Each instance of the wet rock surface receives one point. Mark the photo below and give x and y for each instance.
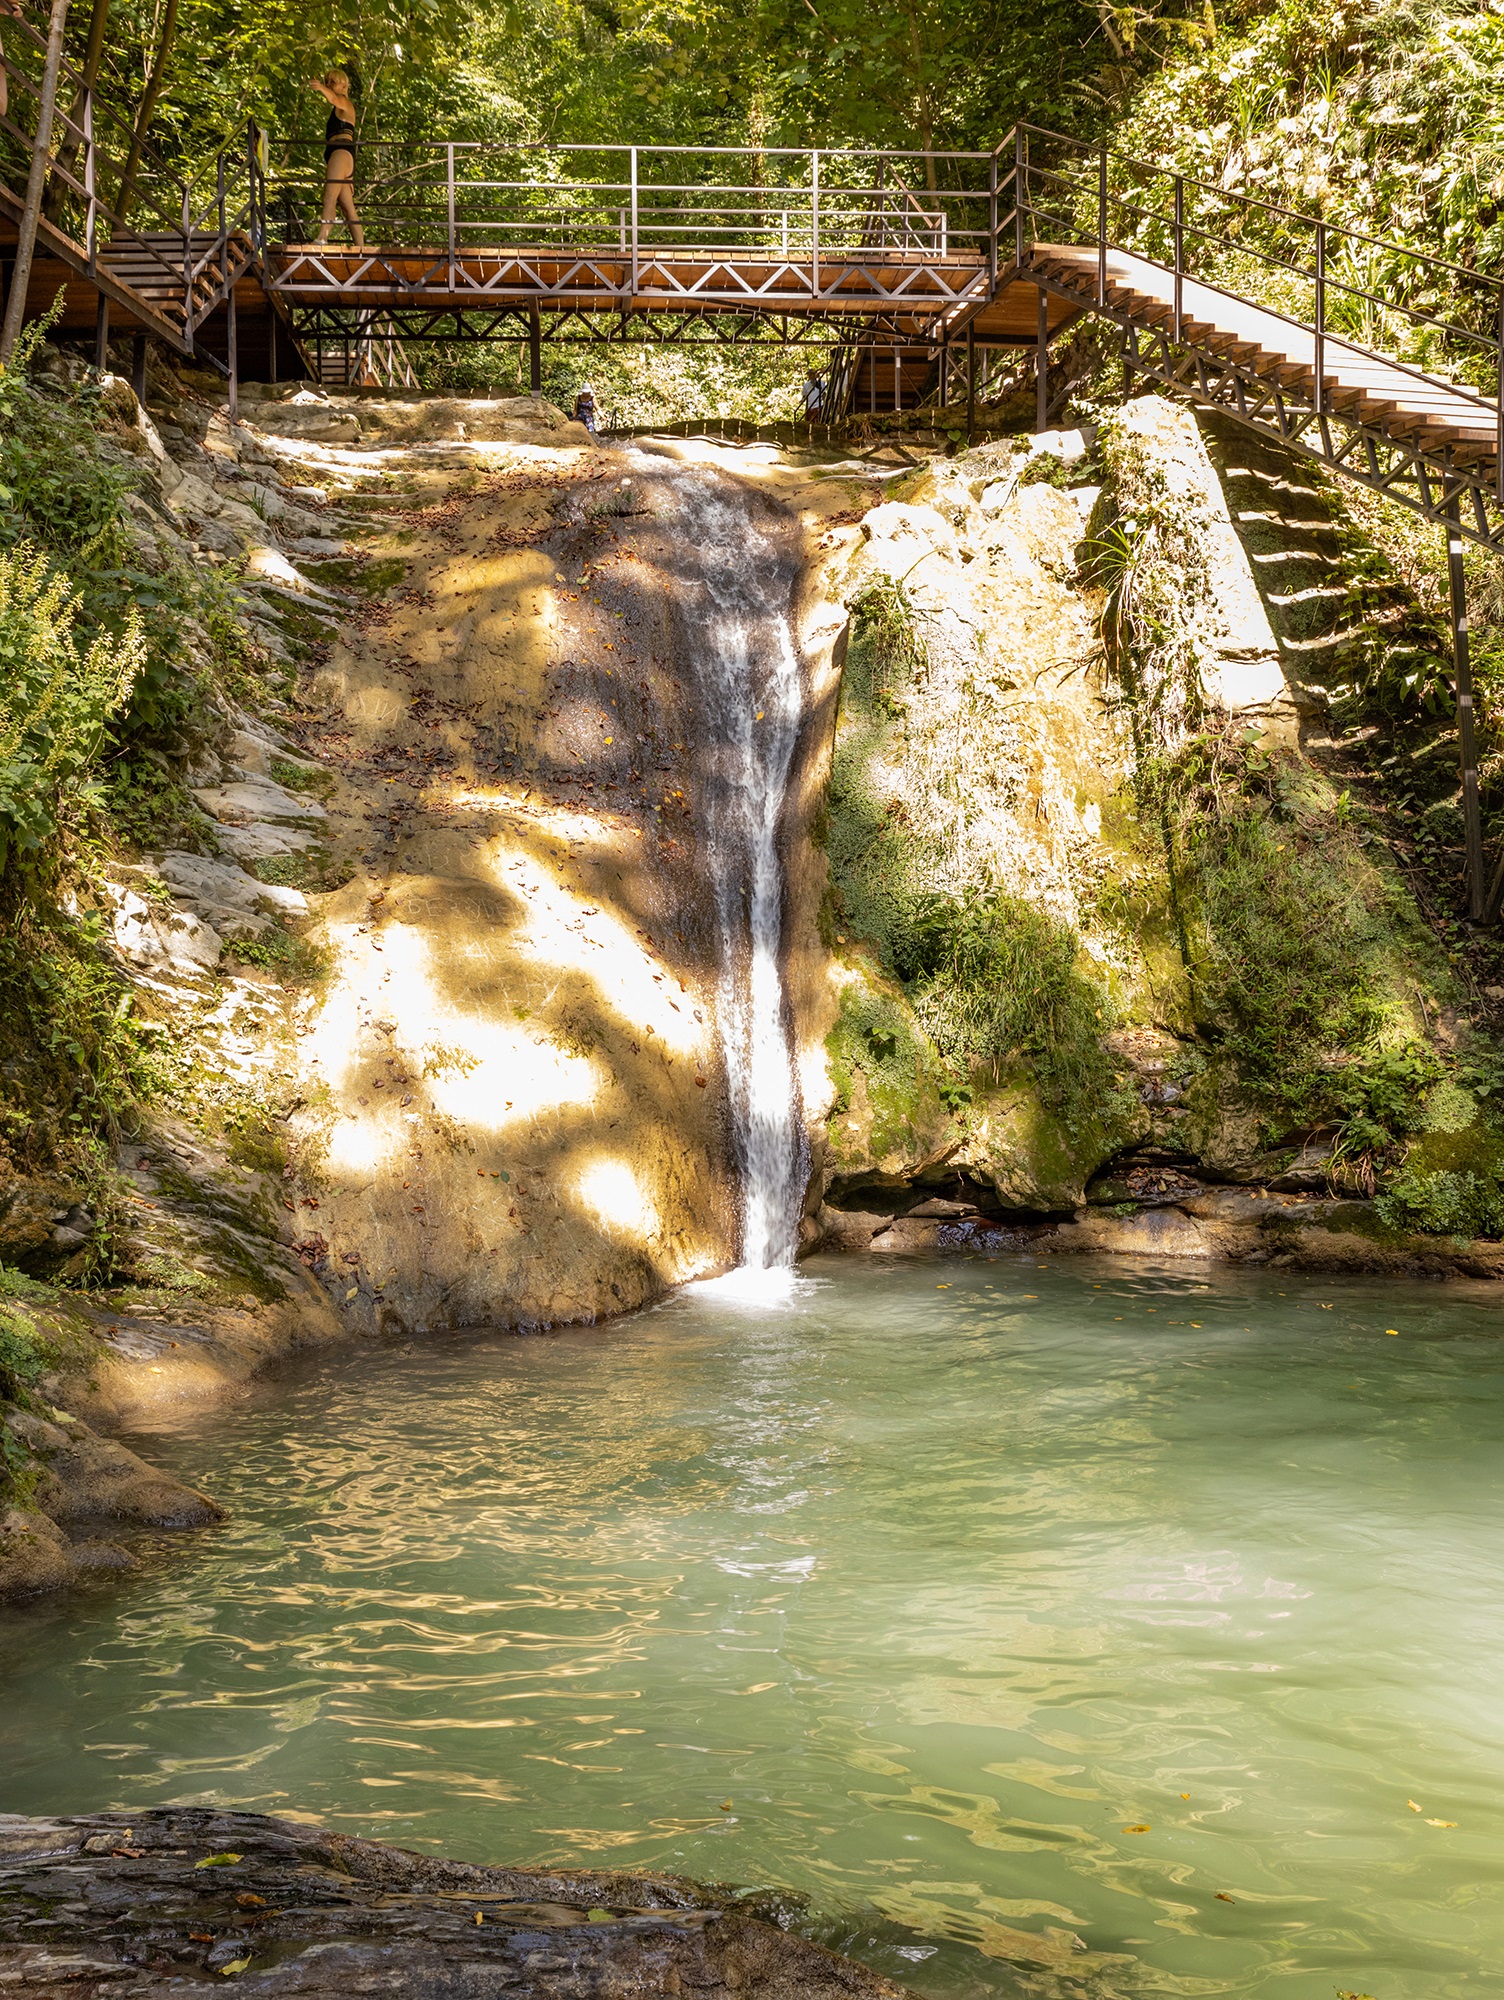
(174, 1900)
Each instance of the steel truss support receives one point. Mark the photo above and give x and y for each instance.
(573, 326)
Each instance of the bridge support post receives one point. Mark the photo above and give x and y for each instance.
(535, 352)
(138, 368)
(1467, 743)
(102, 332)
(1042, 364)
(232, 343)
(971, 382)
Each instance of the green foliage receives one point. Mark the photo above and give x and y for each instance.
(1443, 1204)
(69, 1032)
(885, 651)
(56, 698)
(294, 960)
(24, 1359)
(55, 489)
(1300, 950)
(997, 982)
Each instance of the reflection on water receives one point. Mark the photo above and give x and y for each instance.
(1060, 1631)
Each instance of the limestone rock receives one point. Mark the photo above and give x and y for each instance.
(87, 1477)
(161, 940)
(261, 841)
(255, 797)
(221, 885)
(1242, 673)
(34, 1557)
(298, 1911)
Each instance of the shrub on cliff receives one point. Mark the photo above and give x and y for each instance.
(57, 698)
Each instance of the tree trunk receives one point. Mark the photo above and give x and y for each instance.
(26, 236)
(147, 108)
(67, 153)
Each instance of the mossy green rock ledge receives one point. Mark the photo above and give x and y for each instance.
(174, 1901)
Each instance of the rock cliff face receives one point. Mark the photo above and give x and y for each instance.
(1106, 941)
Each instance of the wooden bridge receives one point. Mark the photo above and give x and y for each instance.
(918, 268)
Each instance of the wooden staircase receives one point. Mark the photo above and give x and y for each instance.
(181, 279)
(1427, 412)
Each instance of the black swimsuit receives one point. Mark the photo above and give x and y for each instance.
(339, 137)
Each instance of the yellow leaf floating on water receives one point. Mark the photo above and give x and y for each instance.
(1185, 1795)
(725, 1805)
(1394, 1330)
(1413, 1806)
(217, 1861)
(1223, 1897)
(235, 1965)
(1441, 1822)
(1138, 1829)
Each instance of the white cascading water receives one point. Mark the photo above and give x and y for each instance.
(751, 696)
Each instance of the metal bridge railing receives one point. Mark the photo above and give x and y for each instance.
(638, 202)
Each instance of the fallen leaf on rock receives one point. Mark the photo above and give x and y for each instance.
(249, 1902)
(235, 1965)
(598, 1916)
(218, 1861)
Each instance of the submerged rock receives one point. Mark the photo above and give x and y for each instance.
(161, 1901)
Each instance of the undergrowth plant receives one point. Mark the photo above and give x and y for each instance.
(57, 698)
(995, 981)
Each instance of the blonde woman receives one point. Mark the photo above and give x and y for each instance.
(339, 155)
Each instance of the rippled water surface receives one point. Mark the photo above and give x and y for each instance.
(996, 1606)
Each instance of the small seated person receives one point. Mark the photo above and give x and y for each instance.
(584, 408)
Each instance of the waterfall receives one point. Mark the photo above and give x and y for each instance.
(741, 649)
